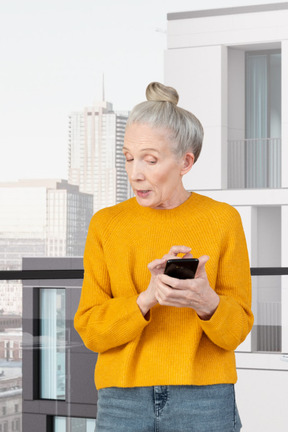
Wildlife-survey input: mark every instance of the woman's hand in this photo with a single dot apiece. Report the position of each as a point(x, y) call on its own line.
point(147, 299)
point(195, 293)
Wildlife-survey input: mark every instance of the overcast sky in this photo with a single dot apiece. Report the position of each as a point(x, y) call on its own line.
point(53, 55)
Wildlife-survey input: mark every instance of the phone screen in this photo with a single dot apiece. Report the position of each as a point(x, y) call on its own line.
point(182, 268)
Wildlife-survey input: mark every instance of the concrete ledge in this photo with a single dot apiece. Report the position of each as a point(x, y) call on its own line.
point(226, 11)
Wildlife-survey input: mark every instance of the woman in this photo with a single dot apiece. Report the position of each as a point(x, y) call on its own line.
point(166, 346)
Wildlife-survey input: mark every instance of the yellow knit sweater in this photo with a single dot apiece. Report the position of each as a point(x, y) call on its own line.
point(173, 347)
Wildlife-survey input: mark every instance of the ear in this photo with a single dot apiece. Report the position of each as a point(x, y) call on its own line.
point(187, 163)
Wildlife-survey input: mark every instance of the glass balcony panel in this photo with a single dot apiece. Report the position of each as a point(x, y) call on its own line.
point(63, 424)
point(266, 334)
point(254, 163)
point(52, 337)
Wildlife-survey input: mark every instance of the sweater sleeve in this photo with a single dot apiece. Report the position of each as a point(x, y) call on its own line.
point(104, 322)
point(233, 319)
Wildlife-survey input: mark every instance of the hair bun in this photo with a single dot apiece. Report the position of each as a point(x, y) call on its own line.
point(158, 92)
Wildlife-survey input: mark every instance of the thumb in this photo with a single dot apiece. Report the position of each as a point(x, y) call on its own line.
point(201, 266)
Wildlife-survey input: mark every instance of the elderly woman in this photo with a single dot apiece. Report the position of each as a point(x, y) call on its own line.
point(166, 346)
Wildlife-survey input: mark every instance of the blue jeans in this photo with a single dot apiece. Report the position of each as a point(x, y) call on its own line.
point(209, 408)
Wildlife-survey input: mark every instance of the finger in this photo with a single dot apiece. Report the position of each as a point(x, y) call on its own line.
point(169, 256)
point(201, 266)
point(157, 263)
point(188, 255)
point(170, 297)
point(171, 282)
point(175, 250)
point(174, 303)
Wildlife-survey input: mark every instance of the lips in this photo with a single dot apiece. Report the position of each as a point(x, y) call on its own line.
point(143, 193)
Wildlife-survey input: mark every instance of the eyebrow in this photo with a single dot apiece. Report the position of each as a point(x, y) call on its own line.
point(145, 149)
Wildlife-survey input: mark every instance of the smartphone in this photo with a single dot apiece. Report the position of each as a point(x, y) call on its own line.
point(181, 268)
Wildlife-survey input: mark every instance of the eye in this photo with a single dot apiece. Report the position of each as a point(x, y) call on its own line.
point(151, 161)
point(128, 157)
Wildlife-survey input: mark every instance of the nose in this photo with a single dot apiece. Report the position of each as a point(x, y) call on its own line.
point(135, 171)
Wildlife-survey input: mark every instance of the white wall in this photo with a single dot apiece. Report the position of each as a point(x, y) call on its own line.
point(236, 94)
point(236, 119)
point(284, 304)
point(262, 400)
point(284, 258)
point(269, 236)
point(246, 213)
point(284, 113)
point(268, 255)
point(200, 77)
point(230, 30)
point(257, 197)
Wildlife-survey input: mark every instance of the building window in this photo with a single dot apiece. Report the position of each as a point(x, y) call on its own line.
point(254, 134)
point(73, 424)
point(263, 94)
point(15, 425)
point(263, 119)
point(52, 335)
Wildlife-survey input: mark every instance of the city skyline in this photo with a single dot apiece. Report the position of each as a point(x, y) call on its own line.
point(54, 220)
point(54, 55)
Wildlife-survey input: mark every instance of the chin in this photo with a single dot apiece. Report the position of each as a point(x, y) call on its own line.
point(146, 203)
point(143, 203)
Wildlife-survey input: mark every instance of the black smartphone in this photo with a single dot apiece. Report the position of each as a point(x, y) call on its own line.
point(181, 268)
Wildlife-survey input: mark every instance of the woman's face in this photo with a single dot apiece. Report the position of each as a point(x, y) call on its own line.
point(154, 171)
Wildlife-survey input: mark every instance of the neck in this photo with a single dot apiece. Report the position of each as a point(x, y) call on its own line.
point(176, 201)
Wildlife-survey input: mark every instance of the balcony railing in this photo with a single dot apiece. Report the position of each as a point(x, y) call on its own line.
point(254, 163)
point(267, 330)
point(78, 273)
point(56, 351)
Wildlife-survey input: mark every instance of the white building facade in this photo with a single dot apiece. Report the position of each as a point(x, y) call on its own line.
point(230, 67)
point(96, 162)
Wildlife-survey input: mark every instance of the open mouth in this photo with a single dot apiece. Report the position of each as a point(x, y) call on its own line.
point(143, 193)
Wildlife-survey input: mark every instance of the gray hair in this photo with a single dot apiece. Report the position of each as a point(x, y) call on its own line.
point(161, 111)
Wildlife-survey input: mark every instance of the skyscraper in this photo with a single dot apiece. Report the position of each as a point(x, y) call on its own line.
point(96, 162)
point(42, 218)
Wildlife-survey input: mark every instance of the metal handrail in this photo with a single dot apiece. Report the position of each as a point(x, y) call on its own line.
point(79, 273)
point(41, 274)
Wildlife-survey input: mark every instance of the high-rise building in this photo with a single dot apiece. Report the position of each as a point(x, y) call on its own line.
point(42, 218)
point(10, 298)
point(96, 162)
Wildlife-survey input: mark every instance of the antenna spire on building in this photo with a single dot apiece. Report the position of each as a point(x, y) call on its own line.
point(103, 88)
